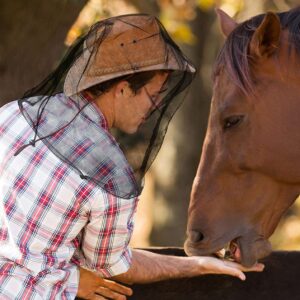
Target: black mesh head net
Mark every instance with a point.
(105, 109)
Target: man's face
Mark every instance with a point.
(133, 109)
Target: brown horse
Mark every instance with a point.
(249, 172)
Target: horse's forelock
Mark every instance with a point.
(234, 55)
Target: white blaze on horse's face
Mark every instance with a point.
(249, 172)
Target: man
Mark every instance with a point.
(73, 161)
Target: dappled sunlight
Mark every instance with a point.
(287, 234)
(144, 215)
(96, 10)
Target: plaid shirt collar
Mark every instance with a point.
(86, 97)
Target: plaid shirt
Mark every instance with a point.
(52, 221)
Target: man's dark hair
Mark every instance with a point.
(136, 81)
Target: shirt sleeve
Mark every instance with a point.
(107, 234)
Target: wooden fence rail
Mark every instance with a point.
(279, 281)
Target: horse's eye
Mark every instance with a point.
(232, 121)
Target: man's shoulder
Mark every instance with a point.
(10, 106)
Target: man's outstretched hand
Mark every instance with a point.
(93, 287)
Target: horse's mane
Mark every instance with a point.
(234, 55)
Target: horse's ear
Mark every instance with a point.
(266, 37)
(226, 22)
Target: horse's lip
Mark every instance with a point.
(204, 247)
(249, 248)
(252, 250)
(235, 251)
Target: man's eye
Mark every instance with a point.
(232, 121)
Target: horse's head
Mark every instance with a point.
(249, 172)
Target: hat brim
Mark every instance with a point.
(77, 79)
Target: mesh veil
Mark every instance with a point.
(69, 124)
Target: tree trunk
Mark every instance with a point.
(32, 41)
(176, 165)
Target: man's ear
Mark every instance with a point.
(226, 22)
(266, 38)
(122, 89)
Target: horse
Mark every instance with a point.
(249, 170)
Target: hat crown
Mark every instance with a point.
(129, 43)
(121, 46)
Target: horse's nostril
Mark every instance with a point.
(196, 236)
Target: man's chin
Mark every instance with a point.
(129, 130)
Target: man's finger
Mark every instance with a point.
(109, 294)
(234, 272)
(258, 267)
(97, 297)
(236, 269)
(118, 287)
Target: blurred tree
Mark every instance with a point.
(150, 6)
(32, 41)
(176, 164)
